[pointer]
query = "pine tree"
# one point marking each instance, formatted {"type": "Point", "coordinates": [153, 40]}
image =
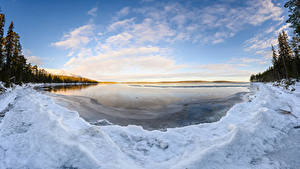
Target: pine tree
{"type": "Point", "coordinates": [18, 61]}
{"type": "Point", "coordinates": [295, 44]}
{"type": "Point", "coordinates": [275, 64]}
{"type": "Point", "coordinates": [285, 53]}
{"type": "Point", "coordinates": [2, 22]}
{"type": "Point", "coordinates": [9, 51]}
{"type": "Point", "coordinates": [294, 9]}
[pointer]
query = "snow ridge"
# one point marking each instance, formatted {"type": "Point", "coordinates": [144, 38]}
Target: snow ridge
{"type": "Point", "coordinates": [38, 133]}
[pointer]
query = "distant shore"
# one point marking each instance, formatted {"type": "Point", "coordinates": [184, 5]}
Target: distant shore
{"type": "Point", "coordinates": [161, 82]}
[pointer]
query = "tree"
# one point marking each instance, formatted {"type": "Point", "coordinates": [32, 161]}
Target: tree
{"type": "Point", "coordinates": [9, 50]}
{"type": "Point", "coordinates": [294, 9]}
{"type": "Point", "coordinates": [286, 62]}
{"type": "Point", "coordinates": [18, 60]}
{"type": "Point", "coordinates": [275, 64]}
{"type": "Point", "coordinates": [2, 22]}
{"type": "Point", "coordinates": [285, 53]}
{"type": "Point", "coordinates": [295, 44]}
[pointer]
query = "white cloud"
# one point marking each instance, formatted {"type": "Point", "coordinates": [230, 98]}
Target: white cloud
{"type": "Point", "coordinates": [149, 31]}
{"type": "Point", "coordinates": [264, 10]}
{"type": "Point", "coordinates": [216, 41]}
{"type": "Point", "coordinates": [155, 68]}
{"type": "Point", "coordinates": [76, 38]}
{"type": "Point", "coordinates": [85, 52]}
{"type": "Point", "coordinates": [120, 24]}
{"type": "Point", "coordinates": [261, 43]}
{"type": "Point", "coordinates": [245, 61]}
{"type": "Point", "coordinates": [218, 18]}
{"type": "Point", "coordinates": [60, 72]}
{"type": "Point", "coordinates": [35, 60]}
{"type": "Point", "coordinates": [177, 22]}
{"type": "Point", "coordinates": [234, 76]}
{"type": "Point", "coordinates": [129, 60]}
{"type": "Point", "coordinates": [283, 28]}
{"type": "Point", "coordinates": [124, 11]}
{"type": "Point", "coordinates": [93, 11]}
{"type": "Point", "coordinates": [119, 39]}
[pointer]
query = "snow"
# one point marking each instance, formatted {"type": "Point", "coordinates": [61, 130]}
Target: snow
{"type": "Point", "coordinates": [37, 133]}
{"type": "Point", "coordinates": [60, 72]}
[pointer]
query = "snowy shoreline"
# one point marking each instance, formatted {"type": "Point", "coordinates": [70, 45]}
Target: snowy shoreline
{"type": "Point", "coordinates": [37, 133]}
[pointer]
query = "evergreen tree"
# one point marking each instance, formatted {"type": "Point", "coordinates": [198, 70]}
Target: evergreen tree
{"type": "Point", "coordinates": [18, 61]}
{"type": "Point", "coordinates": [294, 9]}
{"type": "Point", "coordinates": [2, 22]}
{"type": "Point", "coordinates": [295, 44]}
{"type": "Point", "coordinates": [275, 64]}
{"type": "Point", "coordinates": [285, 53]}
{"type": "Point", "coordinates": [9, 51]}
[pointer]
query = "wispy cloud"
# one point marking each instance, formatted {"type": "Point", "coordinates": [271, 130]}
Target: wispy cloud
{"type": "Point", "coordinates": [245, 61]}
{"type": "Point", "coordinates": [220, 17]}
{"type": "Point", "coordinates": [77, 38]}
{"type": "Point", "coordinates": [93, 12]}
{"type": "Point", "coordinates": [261, 43]}
{"type": "Point", "coordinates": [123, 12]}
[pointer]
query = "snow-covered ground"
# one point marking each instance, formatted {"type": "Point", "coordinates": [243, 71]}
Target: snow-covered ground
{"type": "Point", "coordinates": [37, 133]}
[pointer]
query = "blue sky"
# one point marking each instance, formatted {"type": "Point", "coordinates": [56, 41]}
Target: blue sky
{"type": "Point", "coordinates": [148, 40]}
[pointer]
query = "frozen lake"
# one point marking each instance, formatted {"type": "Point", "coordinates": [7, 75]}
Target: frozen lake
{"type": "Point", "coordinates": [153, 106]}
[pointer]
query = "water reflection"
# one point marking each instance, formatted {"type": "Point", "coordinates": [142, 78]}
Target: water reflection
{"type": "Point", "coordinates": [65, 89]}
{"type": "Point", "coordinates": [151, 106]}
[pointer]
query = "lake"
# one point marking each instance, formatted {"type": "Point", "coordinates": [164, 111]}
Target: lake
{"type": "Point", "coordinates": [152, 106]}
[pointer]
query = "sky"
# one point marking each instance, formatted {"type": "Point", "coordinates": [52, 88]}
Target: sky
{"type": "Point", "coordinates": [149, 40]}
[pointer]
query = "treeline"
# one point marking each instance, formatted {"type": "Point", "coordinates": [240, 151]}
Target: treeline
{"type": "Point", "coordinates": [14, 67]}
{"type": "Point", "coordinates": [286, 59]}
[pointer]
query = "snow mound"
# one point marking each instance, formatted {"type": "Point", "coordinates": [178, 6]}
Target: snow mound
{"type": "Point", "coordinates": [38, 133]}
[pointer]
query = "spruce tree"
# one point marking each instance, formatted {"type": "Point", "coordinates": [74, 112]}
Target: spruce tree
{"type": "Point", "coordinates": [2, 22]}
{"type": "Point", "coordinates": [296, 60]}
{"type": "Point", "coordinates": [294, 9]}
{"type": "Point", "coordinates": [9, 50]}
{"type": "Point", "coordinates": [275, 64]}
{"type": "Point", "coordinates": [285, 53]}
{"type": "Point", "coordinates": [18, 61]}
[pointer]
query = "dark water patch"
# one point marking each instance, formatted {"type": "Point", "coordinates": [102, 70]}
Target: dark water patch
{"type": "Point", "coordinates": [64, 87]}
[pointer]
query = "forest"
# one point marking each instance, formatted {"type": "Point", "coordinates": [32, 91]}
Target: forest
{"type": "Point", "coordinates": [286, 59]}
{"type": "Point", "coordinates": [14, 68]}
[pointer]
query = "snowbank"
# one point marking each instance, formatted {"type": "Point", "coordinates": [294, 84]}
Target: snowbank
{"type": "Point", "coordinates": [38, 133]}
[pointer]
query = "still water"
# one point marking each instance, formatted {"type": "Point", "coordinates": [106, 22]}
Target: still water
{"type": "Point", "coordinates": [153, 106]}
